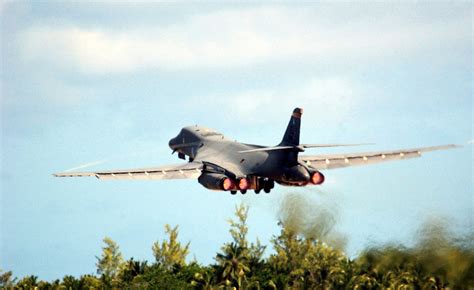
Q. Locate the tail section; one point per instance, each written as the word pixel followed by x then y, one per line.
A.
pixel 292 133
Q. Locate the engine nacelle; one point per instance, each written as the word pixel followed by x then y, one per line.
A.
pixel 216 181
pixel 285 183
pixel 297 174
pixel 316 178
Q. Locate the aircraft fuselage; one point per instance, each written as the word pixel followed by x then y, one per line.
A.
pixel 218 152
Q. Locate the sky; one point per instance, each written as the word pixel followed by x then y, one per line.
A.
pixel 108 84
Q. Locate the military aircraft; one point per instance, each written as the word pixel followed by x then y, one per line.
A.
pixel 219 163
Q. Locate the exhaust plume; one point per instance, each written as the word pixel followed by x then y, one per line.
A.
pixel 309 217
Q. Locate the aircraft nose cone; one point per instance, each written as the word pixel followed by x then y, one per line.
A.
pixel 172 143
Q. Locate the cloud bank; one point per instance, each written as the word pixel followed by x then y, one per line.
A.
pixel 242 37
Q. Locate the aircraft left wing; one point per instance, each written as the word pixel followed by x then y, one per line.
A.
pixel 178 171
pixel 364 158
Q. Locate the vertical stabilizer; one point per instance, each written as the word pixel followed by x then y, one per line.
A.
pixel 292 133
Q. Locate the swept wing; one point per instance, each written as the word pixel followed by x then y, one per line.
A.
pixel 331 161
pixel 178 171
pixel 300 147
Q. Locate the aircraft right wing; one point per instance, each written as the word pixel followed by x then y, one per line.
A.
pixel 300 147
pixel 364 158
pixel 178 171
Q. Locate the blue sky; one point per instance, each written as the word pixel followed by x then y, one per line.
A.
pixel 95 81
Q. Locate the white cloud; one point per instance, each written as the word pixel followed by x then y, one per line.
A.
pixel 239 37
pixel 327 99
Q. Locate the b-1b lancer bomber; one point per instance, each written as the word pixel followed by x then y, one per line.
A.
pixel 219 163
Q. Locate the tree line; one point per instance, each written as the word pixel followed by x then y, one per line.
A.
pixel 298 261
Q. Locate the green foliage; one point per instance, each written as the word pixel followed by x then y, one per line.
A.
pixel 170 252
pixel 303 263
pixel 238 228
pixel 90 282
pixel 132 269
pixel 70 282
pixel 138 275
pixel 6 280
pixel 28 282
pixel 203 278
pixel 237 259
pixel 109 263
pixel 157 277
pixel 233 264
pixel 300 260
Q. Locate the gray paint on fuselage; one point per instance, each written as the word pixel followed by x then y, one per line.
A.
pixel 205 144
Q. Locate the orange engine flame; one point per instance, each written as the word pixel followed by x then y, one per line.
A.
pixel 317 178
pixel 244 184
pixel 227 184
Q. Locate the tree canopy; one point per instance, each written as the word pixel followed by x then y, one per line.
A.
pixel 170 252
pixel 300 260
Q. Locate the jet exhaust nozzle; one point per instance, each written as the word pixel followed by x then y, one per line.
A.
pixel 317 178
pixel 244 184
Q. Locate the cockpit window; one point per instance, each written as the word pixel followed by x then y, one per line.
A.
pixel 208 133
